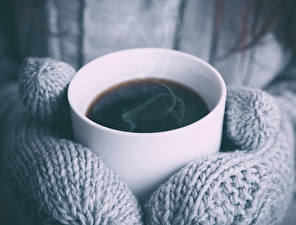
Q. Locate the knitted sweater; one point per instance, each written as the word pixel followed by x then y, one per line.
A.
pixel 78 31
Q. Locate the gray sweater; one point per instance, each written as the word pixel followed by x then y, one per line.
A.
pixel 78 31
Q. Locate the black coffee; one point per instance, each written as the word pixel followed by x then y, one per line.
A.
pixel 147 105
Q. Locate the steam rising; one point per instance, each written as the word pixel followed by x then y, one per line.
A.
pixel 137 29
pixel 156 107
pixel 136 22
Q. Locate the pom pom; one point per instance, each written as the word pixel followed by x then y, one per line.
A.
pixel 252 117
pixel 43 86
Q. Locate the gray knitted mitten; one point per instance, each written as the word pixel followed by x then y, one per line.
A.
pixel 249 185
pixel 59 181
pixel 64 183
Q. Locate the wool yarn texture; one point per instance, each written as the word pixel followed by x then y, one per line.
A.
pixel 61 182
pixel 251 184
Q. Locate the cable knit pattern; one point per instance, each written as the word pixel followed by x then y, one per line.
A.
pixel 253 186
pixel 61 182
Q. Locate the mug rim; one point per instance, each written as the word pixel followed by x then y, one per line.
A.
pixel 129 133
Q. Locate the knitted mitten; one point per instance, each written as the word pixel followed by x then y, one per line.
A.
pixel 64 183
pixel 251 184
pixel 59 181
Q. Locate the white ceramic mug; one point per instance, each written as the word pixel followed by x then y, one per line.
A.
pixel 145 160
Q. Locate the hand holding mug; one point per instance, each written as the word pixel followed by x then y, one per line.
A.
pixel 223 188
pixel 145 160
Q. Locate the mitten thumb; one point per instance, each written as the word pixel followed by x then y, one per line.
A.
pixel 252 118
pixel 43 86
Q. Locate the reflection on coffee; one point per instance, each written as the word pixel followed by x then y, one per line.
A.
pixel 147 105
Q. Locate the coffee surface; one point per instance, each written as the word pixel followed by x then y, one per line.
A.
pixel 147 105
